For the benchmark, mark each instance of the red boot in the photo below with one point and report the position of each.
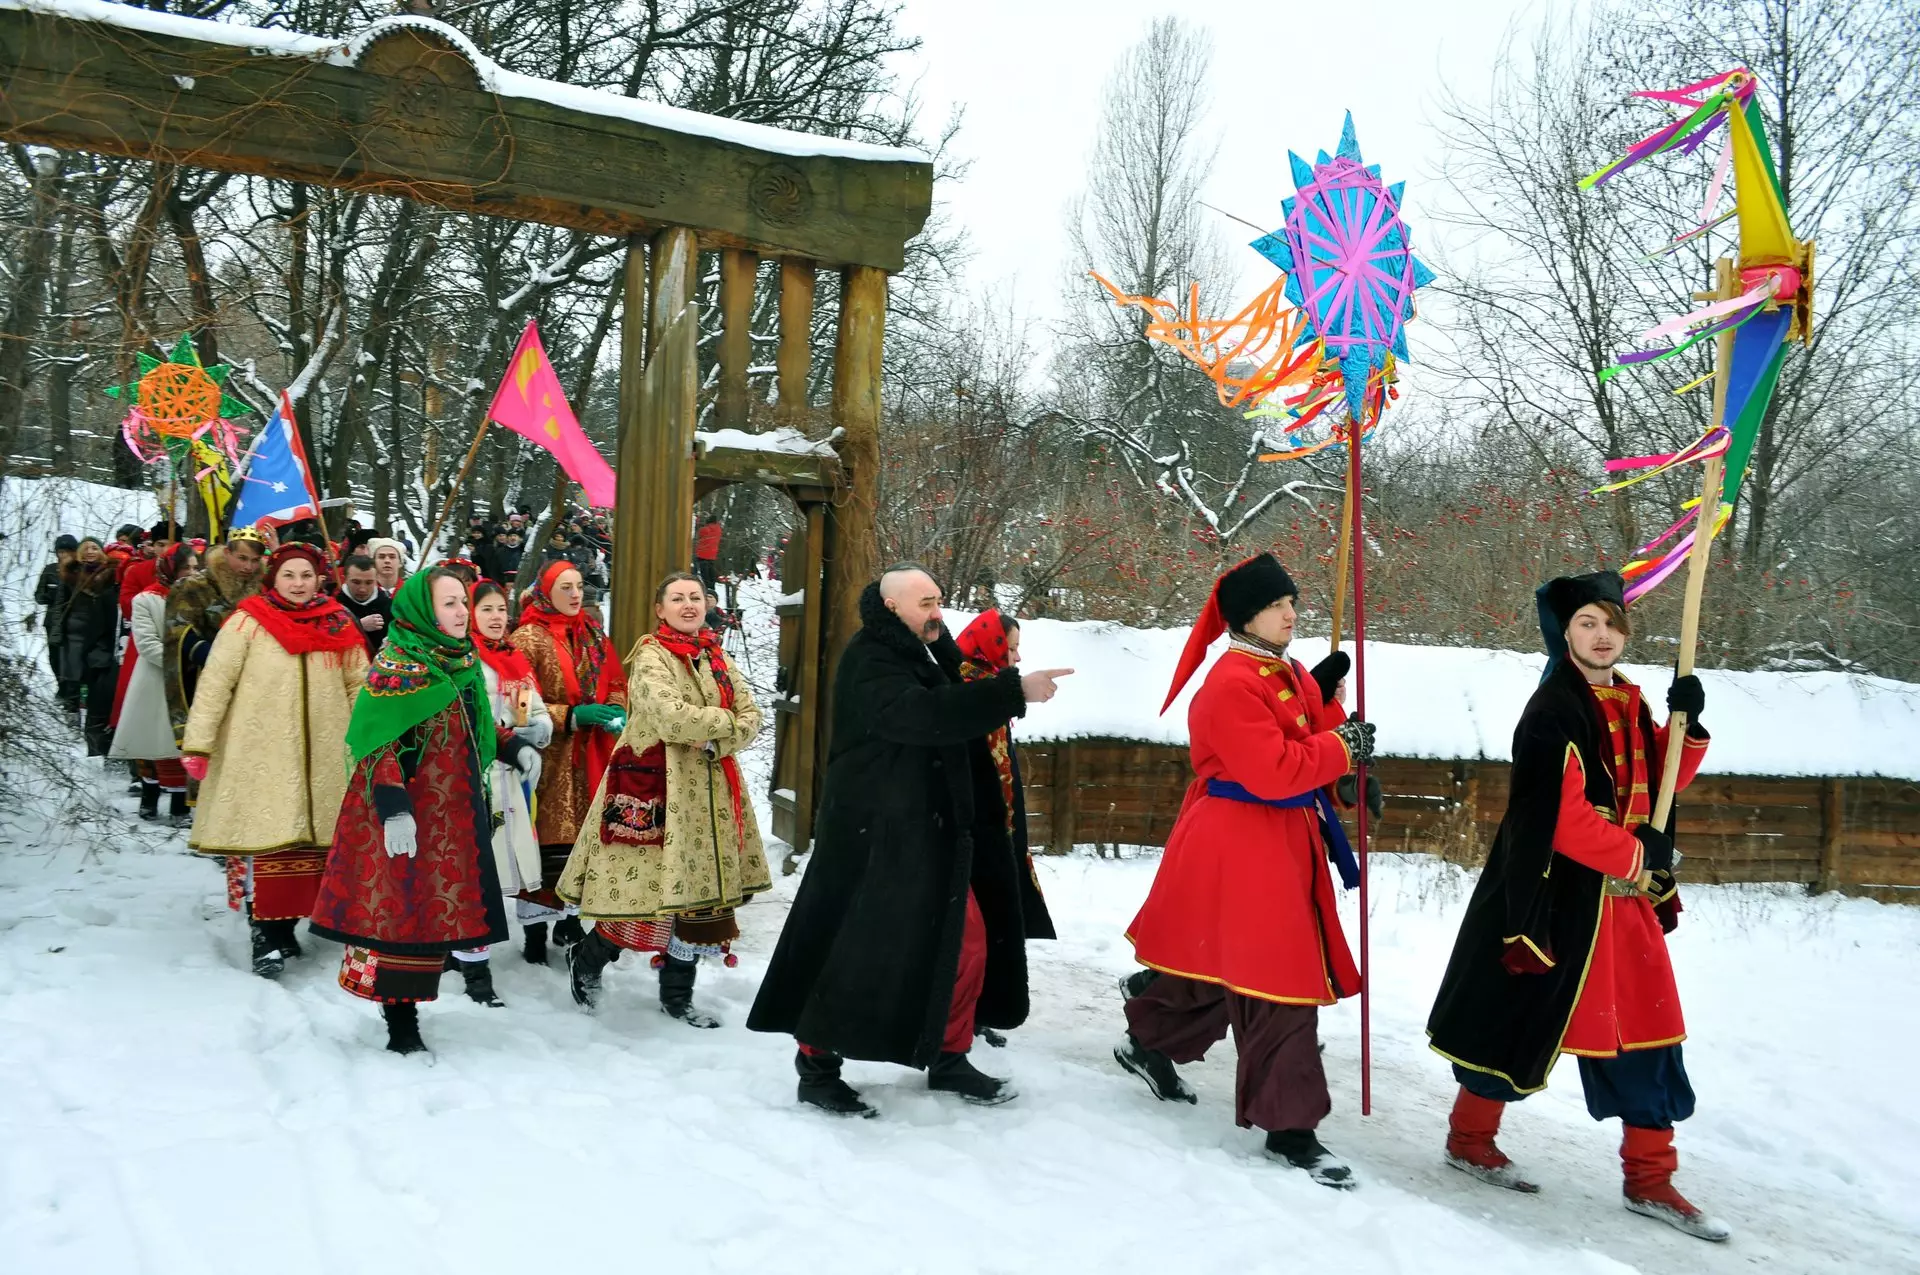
(1470, 1147)
(1649, 1160)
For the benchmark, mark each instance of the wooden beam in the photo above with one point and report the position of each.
(630, 469)
(793, 361)
(415, 116)
(809, 739)
(1833, 808)
(804, 477)
(739, 271)
(856, 413)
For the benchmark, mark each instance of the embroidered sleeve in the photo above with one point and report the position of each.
(392, 675)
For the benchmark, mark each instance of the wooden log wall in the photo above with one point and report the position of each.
(1861, 836)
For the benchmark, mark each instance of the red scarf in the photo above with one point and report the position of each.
(688, 648)
(985, 641)
(509, 663)
(588, 665)
(318, 626)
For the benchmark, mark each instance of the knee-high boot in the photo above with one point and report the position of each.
(1648, 1159)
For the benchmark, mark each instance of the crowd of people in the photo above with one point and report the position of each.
(392, 757)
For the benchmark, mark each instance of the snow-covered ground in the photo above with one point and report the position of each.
(165, 1111)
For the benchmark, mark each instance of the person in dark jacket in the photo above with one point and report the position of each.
(88, 610)
(47, 594)
(908, 928)
(368, 604)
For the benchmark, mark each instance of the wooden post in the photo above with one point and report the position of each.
(856, 412)
(810, 728)
(738, 272)
(674, 263)
(630, 507)
(1697, 559)
(794, 359)
(459, 481)
(1066, 786)
(1833, 808)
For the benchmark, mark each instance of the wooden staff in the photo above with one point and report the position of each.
(1711, 481)
(1341, 558)
(1352, 525)
(459, 481)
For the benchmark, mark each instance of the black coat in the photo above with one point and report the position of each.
(1511, 1025)
(910, 817)
(381, 604)
(86, 616)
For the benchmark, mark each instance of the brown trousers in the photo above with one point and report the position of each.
(1279, 1083)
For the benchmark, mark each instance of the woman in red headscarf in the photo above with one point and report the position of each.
(987, 646)
(266, 739)
(144, 733)
(584, 687)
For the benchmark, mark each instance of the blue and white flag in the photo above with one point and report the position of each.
(278, 486)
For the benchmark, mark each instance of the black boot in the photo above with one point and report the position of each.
(567, 931)
(268, 960)
(403, 1028)
(289, 942)
(676, 993)
(149, 799)
(586, 959)
(479, 979)
(821, 1086)
(535, 946)
(1301, 1149)
(179, 814)
(1155, 1068)
(1137, 982)
(956, 1074)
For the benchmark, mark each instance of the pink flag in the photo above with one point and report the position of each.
(531, 403)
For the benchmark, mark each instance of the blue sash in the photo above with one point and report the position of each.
(1330, 828)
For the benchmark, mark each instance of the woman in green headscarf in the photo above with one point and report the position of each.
(411, 876)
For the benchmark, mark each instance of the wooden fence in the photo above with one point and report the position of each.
(1857, 835)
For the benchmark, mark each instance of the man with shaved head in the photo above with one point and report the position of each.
(910, 925)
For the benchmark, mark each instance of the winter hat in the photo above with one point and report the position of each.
(66, 544)
(1237, 597)
(1559, 598)
(288, 552)
(376, 543)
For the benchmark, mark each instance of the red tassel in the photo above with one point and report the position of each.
(731, 960)
(1206, 628)
(658, 959)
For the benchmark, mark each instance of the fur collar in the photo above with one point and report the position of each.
(886, 628)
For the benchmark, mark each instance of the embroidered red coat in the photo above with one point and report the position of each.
(1244, 896)
(1630, 999)
(446, 896)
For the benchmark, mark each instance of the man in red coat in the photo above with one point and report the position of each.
(1241, 924)
(1563, 949)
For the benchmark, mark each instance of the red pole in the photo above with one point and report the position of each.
(1360, 774)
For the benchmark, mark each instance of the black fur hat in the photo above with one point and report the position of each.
(1559, 598)
(1251, 588)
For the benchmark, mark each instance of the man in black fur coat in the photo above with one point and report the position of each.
(909, 926)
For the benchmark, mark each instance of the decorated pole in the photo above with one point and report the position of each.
(1341, 556)
(1351, 533)
(459, 481)
(1711, 481)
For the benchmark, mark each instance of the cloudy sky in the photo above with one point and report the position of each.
(1029, 74)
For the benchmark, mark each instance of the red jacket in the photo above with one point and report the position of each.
(706, 542)
(1629, 999)
(135, 575)
(1244, 895)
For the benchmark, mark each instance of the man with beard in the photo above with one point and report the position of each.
(909, 926)
(1563, 949)
(360, 594)
(196, 608)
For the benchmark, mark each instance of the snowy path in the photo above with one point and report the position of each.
(165, 1111)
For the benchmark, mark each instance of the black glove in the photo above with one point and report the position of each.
(1686, 695)
(1328, 673)
(1358, 737)
(1345, 789)
(512, 747)
(1658, 846)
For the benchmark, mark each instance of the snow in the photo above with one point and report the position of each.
(1461, 703)
(784, 441)
(35, 510)
(166, 1111)
(494, 77)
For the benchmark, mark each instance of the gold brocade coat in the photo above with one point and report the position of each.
(564, 795)
(273, 728)
(706, 860)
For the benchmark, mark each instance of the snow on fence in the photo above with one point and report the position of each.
(1811, 778)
